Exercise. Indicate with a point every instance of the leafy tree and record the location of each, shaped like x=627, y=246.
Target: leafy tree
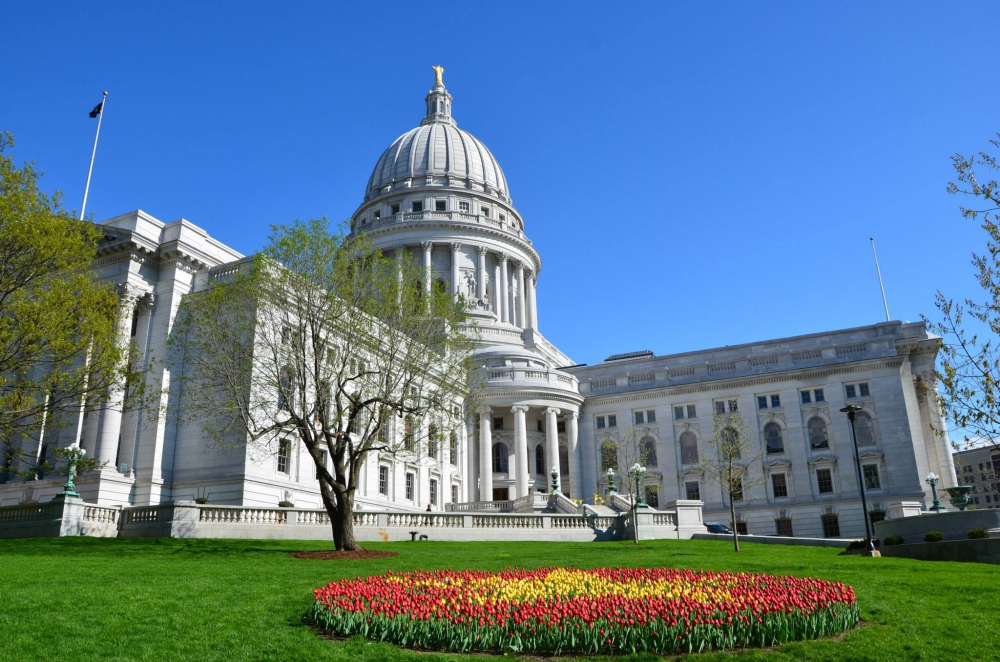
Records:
x=323, y=341
x=735, y=449
x=59, y=347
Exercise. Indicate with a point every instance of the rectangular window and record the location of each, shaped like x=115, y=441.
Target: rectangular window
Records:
x=692, y=412
x=818, y=395
x=806, y=397
x=831, y=526
x=439, y=205
x=377, y=214
x=502, y=218
x=395, y=209
x=737, y=490
x=851, y=392
x=761, y=402
x=638, y=418
x=498, y=423
x=485, y=211
x=863, y=390
x=876, y=516
x=775, y=401
x=383, y=481
x=650, y=416
x=733, y=406
x=561, y=427
x=612, y=420
x=409, y=486
x=434, y=492
x=872, y=481
x=463, y=207
x=600, y=422
x=454, y=493
x=779, y=486
x=741, y=528
x=720, y=408
x=783, y=527
x=824, y=480
x=692, y=491
x=418, y=206
x=284, y=450
x=678, y=413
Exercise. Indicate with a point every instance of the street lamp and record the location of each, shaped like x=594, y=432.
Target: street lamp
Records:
x=851, y=410
x=555, y=480
x=932, y=480
x=74, y=454
x=611, y=482
x=638, y=471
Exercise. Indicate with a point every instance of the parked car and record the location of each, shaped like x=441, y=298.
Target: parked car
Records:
x=715, y=527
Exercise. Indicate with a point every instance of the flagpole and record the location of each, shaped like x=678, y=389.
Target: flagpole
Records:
x=86, y=190
x=881, y=286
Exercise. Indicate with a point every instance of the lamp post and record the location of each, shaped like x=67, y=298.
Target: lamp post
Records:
x=851, y=410
x=612, y=489
x=932, y=480
x=74, y=454
x=638, y=472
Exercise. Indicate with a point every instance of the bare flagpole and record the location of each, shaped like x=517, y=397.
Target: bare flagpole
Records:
x=99, y=111
x=881, y=286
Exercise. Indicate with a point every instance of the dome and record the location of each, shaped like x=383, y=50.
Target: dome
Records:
x=438, y=153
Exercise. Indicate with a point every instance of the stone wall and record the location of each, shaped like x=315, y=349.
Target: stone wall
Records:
x=955, y=525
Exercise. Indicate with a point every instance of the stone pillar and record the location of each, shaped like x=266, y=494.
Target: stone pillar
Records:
x=427, y=268
x=521, y=449
x=111, y=418
x=532, y=283
x=521, y=321
x=503, y=305
x=456, y=246
x=486, y=455
x=573, y=450
x=552, y=444
x=481, y=283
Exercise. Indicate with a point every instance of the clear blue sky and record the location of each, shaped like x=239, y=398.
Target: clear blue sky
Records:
x=693, y=175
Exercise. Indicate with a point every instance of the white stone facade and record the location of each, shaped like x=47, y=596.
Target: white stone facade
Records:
x=440, y=195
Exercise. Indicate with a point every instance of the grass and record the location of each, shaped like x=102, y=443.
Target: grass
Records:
x=89, y=599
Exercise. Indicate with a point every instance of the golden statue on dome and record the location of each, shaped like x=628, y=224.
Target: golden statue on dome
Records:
x=438, y=73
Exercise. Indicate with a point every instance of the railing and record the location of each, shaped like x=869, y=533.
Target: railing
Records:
x=604, y=383
x=507, y=522
x=674, y=373
x=528, y=375
x=664, y=519
x=505, y=506
x=564, y=504
x=850, y=350
x=141, y=515
x=236, y=515
x=100, y=514
x=620, y=503
x=763, y=361
x=422, y=520
x=317, y=518
x=642, y=379
x=728, y=366
x=25, y=513
x=808, y=355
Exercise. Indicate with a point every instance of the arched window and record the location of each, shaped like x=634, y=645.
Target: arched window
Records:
x=689, y=448
x=647, y=452
x=540, y=460
x=408, y=433
x=609, y=455
x=817, y=433
x=500, y=458
x=863, y=429
x=772, y=438
x=432, y=441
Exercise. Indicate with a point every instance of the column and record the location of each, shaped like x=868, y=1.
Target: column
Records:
x=427, y=268
x=532, y=282
x=573, y=450
x=552, y=444
x=481, y=275
x=521, y=449
x=111, y=418
x=503, y=305
x=485, y=455
x=456, y=246
x=521, y=322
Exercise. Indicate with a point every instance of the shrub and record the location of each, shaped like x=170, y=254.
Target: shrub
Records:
x=978, y=534
x=933, y=536
x=893, y=540
x=855, y=545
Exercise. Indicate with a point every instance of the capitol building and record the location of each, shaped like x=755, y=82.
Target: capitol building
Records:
x=437, y=193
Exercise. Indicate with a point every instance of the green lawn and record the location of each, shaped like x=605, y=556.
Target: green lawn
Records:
x=78, y=599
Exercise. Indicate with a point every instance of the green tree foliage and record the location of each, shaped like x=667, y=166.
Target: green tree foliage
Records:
x=969, y=373
x=322, y=341
x=735, y=451
x=58, y=345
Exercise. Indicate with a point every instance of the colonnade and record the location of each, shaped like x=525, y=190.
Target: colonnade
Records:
x=519, y=472
x=513, y=298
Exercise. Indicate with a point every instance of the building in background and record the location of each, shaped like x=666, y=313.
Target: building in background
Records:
x=439, y=194
x=979, y=467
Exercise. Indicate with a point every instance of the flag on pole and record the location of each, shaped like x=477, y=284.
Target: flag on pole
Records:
x=97, y=109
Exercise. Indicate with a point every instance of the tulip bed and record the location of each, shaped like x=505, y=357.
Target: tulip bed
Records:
x=564, y=610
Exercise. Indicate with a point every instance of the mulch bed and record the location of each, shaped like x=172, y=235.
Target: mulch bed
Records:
x=360, y=555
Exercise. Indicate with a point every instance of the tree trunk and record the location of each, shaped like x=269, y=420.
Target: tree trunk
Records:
x=340, y=508
x=635, y=520
x=736, y=533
